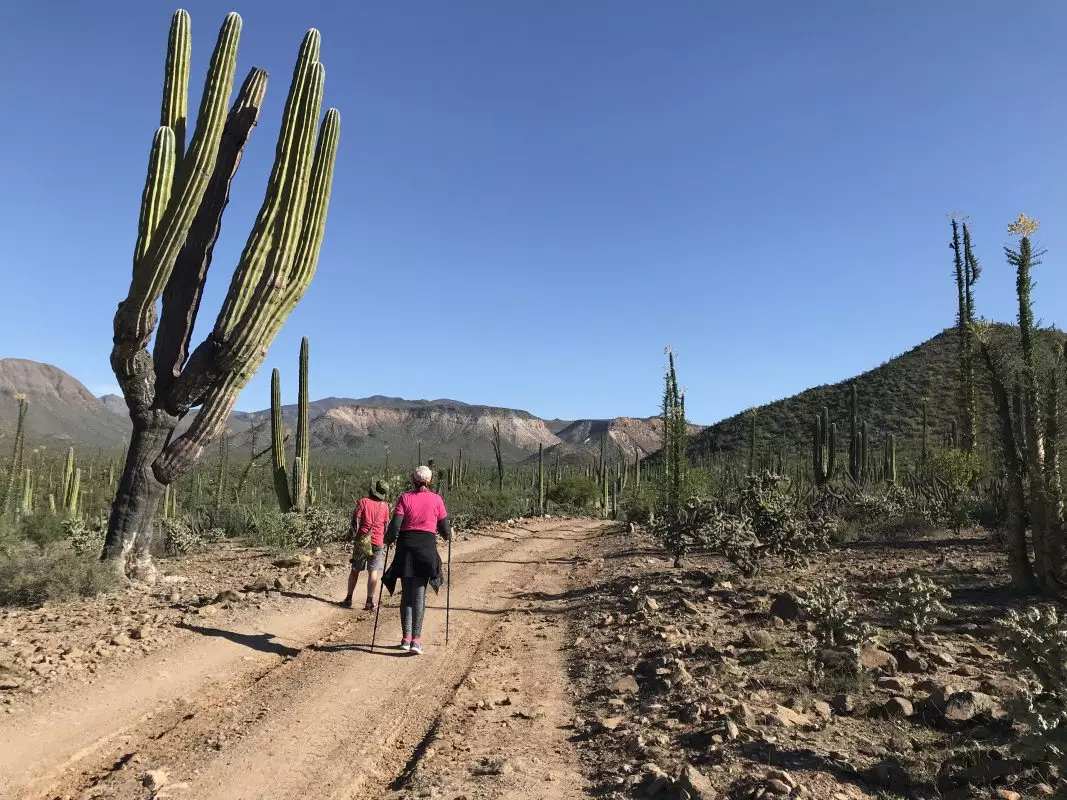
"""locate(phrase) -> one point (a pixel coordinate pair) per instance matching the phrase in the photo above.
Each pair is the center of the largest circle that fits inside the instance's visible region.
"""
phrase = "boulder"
(844, 704)
(898, 707)
(694, 785)
(627, 684)
(965, 706)
(874, 658)
(911, 661)
(786, 606)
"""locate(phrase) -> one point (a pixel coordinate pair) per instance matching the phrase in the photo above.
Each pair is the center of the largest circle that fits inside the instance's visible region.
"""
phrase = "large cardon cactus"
(185, 194)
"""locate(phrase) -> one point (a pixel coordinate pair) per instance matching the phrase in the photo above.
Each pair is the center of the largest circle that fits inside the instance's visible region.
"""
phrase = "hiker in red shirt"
(367, 533)
(419, 517)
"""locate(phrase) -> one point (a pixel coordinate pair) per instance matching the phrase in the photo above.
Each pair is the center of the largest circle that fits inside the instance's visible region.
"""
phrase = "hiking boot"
(416, 647)
(405, 644)
(369, 606)
(346, 603)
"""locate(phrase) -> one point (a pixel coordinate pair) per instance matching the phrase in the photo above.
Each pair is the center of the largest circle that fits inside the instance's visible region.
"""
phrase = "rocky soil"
(691, 682)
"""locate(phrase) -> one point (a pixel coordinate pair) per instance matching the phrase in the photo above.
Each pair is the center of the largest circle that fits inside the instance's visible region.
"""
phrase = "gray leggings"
(412, 606)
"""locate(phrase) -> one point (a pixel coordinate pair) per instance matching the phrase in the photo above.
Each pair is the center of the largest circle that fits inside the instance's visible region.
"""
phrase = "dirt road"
(294, 704)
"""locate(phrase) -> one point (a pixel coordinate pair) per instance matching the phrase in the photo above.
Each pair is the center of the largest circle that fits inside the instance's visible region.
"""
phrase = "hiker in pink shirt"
(419, 517)
(367, 533)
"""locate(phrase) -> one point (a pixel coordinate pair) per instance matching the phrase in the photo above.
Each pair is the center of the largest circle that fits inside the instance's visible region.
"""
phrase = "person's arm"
(353, 527)
(394, 525)
(444, 524)
(444, 528)
(394, 528)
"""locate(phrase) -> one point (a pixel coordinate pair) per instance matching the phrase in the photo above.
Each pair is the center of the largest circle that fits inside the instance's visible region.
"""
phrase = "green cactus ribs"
(297, 495)
(185, 194)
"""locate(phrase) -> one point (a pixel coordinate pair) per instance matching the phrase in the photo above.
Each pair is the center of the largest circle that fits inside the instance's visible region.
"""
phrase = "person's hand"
(349, 546)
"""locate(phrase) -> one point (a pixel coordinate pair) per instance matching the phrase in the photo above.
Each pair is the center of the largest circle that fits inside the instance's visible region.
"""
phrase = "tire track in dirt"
(336, 720)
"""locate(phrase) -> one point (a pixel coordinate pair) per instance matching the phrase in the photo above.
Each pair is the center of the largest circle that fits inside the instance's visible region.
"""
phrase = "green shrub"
(831, 608)
(180, 538)
(474, 506)
(915, 603)
(31, 577)
(1036, 641)
(948, 488)
(573, 493)
(43, 529)
(294, 530)
(85, 539)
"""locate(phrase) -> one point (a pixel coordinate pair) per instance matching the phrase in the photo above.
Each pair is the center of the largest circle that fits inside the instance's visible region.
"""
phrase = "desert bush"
(915, 603)
(44, 530)
(294, 530)
(1036, 641)
(573, 492)
(85, 539)
(470, 507)
(181, 538)
(948, 488)
(831, 609)
(30, 576)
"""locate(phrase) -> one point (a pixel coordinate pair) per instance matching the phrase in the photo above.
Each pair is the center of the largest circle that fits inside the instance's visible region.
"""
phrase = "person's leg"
(374, 580)
(406, 598)
(353, 576)
(374, 576)
(418, 612)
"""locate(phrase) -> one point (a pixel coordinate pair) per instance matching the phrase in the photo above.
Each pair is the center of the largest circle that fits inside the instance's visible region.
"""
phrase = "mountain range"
(63, 412)
(890, 398)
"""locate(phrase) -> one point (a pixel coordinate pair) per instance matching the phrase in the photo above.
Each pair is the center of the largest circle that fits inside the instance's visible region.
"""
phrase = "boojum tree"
(185, 194)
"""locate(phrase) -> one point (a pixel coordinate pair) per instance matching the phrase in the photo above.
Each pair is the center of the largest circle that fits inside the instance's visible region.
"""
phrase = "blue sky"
(533, 198)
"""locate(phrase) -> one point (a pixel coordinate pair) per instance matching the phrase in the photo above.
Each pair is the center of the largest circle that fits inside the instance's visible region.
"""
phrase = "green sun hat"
(379, 489)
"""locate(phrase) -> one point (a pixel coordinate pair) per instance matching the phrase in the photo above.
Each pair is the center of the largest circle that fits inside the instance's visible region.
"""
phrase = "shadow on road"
(379, 650)
(261, 642)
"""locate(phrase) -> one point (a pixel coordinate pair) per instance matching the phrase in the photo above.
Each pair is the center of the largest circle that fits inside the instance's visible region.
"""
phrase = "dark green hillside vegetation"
(890, 399)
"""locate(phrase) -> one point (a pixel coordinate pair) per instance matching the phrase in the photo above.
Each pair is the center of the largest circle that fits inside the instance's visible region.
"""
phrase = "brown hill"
(61, 411)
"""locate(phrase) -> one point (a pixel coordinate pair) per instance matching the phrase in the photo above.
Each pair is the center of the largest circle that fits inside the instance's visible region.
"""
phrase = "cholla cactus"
(832, 608)
(915, 601)
(1036, 641)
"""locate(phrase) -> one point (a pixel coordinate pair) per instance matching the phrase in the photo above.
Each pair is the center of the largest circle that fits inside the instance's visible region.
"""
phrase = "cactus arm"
(135, 318)
(303, 445)
(175, 111)
(181, 297)
(277, 441)
(280, 190)
(179, 456)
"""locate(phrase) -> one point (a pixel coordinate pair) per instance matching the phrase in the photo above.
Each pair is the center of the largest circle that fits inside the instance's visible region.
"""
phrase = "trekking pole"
(378, 609)
(448, 589)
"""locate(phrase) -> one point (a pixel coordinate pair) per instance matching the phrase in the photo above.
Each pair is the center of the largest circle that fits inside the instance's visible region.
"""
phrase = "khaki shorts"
(376, 563)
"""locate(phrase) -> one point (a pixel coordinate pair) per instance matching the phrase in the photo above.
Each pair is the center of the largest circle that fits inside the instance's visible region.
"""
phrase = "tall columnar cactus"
(889, 459)
(185, 194)
(17, 457)
(293, 492)
(1028, 434)
(540, 478)
(73, 494)
(925, 433)
(855, 459)
(303, 439)
(68, 475)
(675, 436)
(824, 450)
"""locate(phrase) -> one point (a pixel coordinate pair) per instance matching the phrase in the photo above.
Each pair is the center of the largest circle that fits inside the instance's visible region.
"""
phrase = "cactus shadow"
(260, 642)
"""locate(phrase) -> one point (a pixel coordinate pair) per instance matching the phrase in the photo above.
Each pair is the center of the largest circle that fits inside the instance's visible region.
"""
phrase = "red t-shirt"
(421, 510)
(371, 516)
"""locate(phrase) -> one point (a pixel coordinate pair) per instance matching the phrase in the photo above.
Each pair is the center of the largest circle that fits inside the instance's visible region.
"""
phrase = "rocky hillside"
(889, 399)
(625, 436)
(62, 410)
